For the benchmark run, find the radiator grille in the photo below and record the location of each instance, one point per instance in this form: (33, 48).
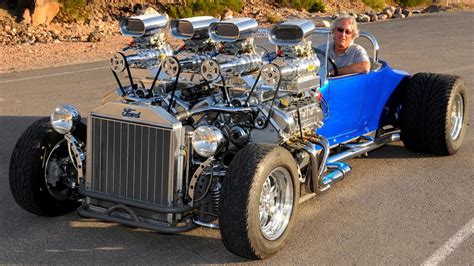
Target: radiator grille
(132, 161)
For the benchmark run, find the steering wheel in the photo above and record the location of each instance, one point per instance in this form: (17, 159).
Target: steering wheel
(330, 61)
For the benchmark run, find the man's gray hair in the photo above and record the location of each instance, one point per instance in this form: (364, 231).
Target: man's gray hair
(352, 20)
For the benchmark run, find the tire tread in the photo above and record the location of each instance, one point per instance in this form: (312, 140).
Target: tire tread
(27, 184)
(233, 216)
(425, 112)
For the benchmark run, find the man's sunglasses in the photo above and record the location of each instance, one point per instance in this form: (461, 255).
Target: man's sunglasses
(341, 30)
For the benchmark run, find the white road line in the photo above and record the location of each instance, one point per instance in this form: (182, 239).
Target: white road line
(52, 75)
(443, 252)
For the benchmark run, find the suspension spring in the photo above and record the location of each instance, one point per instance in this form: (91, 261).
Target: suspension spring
(215, 196)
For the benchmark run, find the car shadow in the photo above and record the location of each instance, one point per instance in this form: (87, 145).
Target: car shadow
(71, 236)
(11, 128)
(14, 9)
(397, 151)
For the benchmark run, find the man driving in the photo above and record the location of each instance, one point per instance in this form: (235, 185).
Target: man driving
(349, 57)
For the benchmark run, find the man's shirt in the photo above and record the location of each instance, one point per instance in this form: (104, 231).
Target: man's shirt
(353, 54)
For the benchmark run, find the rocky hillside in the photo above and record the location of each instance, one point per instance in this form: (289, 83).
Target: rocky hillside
(51, 23)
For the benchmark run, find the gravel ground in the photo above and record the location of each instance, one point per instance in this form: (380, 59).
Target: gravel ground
(26, 57)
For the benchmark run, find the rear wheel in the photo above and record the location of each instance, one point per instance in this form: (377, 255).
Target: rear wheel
(42, 176)
(259, 201)
(434, 114)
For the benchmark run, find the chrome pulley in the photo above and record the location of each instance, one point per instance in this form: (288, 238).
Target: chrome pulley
(210, 70)
(270, 74)
(117, 62)
(171, 66)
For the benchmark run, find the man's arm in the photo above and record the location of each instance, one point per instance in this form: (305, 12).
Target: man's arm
(361, 67)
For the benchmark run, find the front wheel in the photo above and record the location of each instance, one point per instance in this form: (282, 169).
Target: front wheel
(259, 201)
(42, 175)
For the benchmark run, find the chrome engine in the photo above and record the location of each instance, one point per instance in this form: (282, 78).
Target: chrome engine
(196, 48)
(207, 100)
(149, 43)
(238, 54)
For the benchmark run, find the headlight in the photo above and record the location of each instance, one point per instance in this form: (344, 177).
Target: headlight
(63, 118)
(207, 140)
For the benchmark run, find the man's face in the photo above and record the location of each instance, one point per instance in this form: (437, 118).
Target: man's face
(343, 35)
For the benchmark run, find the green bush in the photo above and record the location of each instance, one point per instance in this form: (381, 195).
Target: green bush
(274, 18)
(412, 3)
(74, 9)
(374, 4)
(203, 7)
(317, 6)
(310, 5)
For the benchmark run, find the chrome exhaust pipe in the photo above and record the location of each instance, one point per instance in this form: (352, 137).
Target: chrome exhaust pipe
(317, 169)
(361, 148)
(323, 174)
(331, 168)
(339, 171)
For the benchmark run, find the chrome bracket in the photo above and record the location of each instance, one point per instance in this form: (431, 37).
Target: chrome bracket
(196, 175)
(77, 156)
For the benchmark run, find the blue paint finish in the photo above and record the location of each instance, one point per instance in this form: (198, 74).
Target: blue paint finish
(378, 96)
(356, 102)
(345, 97)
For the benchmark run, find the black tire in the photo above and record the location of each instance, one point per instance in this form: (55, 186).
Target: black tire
(426, 122)
(27, 173)
(239, 216)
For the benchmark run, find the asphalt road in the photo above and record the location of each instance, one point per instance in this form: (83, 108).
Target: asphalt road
(397, 207)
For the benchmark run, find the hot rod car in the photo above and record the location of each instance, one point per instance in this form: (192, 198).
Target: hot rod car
(224, 134)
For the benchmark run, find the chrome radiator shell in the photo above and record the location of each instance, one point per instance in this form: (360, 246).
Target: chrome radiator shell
(135, 153)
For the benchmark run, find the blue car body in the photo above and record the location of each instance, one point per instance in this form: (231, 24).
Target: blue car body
(360, 103)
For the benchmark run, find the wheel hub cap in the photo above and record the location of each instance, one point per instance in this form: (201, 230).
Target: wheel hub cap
(276, 203)
(456, 116)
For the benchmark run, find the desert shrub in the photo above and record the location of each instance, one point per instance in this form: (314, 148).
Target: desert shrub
(215, 8)
(274, 18)
(374, 4)
(74, 9)
(412, 3)
(317, 6)
(310, 5)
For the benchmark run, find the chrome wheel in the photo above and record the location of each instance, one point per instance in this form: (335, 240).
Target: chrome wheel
(456, 116)
(276, 203)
